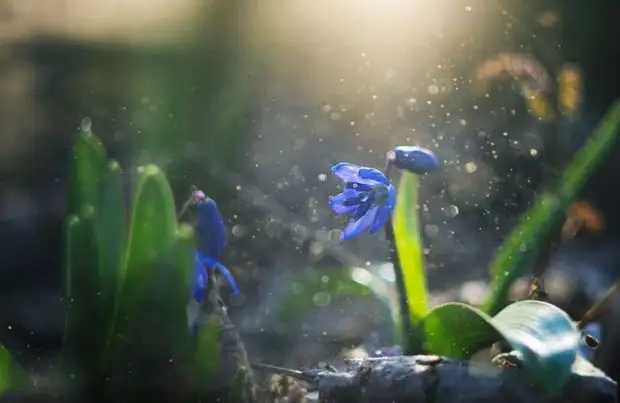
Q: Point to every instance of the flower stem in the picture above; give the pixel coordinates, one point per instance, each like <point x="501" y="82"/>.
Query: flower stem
<point x="403" y="302"/>
<point x="409" y="332"/>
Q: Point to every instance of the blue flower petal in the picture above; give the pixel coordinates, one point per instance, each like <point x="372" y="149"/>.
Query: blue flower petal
<point x="391" y="200"/>
<point x="381" y="218"/>
<point x="362" y="210"/>
<point x="351" y="173"/>
<point x="356" y="227"/>
<point x="344" y="202"/>
<point x="212" y="263"/>
<point x="200" y="280"/>
<point x="210" y="229"/>
<point x="229" y="277"/>
<point x="373" y="174"/>
<point x="416" y="160"/>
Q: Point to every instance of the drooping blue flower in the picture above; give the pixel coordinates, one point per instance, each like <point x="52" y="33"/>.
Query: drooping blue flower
<point x="416" y="160"/>
<point x="210" y="243"/>
<point x="368" y="196"/>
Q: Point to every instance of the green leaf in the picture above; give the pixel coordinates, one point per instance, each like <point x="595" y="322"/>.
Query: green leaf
<point x="204" y="362"/>
<point x="12" y="375"/>
<point x="169" y="295"/>
<point x="111" y="234"/>
<point x="88" y="164"/>
<point x="519" y="250"/>
<point x="457" y="330"/>
<point x="410" y="247"/>
<point x="545" y="335"/>
<point x="152" y="231"/>
<point x="82" y="335"/>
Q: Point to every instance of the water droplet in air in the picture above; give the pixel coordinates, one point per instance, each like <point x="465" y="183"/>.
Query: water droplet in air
<point x="86" y="124"/>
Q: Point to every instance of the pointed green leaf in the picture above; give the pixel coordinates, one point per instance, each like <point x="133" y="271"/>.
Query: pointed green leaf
<point x="152" y="231"/>
<point x="519" y="250"/>
<point x="82" y="336"/>
<point x="88" y="164"/>
<point x="544" y="335"/>
<point x="204" y="362"/>
<point x="111" y="231"/>
<point x="12" y="375"/>
<point x="409" y="246"/>
<point x="169" y="294"/>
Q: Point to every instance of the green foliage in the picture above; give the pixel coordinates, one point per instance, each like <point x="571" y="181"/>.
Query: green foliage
<point x="410" y="250"/>
<point x="128" y="275"/>
<point x="205" y="358"/>
<point x="545" y="335"/>
<point x="12" y="375"/>
<point x="519" y="250"/>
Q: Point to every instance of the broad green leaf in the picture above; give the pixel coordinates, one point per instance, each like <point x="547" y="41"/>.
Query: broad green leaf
<point x="152" y="231"/>
<point x="12" y="375"/>
<point x="547" y="338"/>
<point x="82" y="335"/>
<point x="457" y="330"/>
<point x="410" y="247"/>
<point x="519" y="250"/>
<point x="88" y="164"/>
<point x="111" y="234"/>
<point x="205" y="359"/>
<point x="545" y="335"/>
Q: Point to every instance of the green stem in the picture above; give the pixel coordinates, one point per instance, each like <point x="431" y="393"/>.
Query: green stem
<point x="407" y="328"/>
<point x="409" y="331"/>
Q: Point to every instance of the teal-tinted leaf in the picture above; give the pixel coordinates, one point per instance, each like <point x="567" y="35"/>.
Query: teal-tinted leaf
<point x="82" y="335"/>
<point x="205" y="359"/>
<point x="12" y="375"/>
<point x="544" y="334"/>
<point x="546" y="337"/>
<point x="88" y="164"/>
<point x="519" y="250"/>
<point x="111" y="234"/>
<point x="152" y="231"/>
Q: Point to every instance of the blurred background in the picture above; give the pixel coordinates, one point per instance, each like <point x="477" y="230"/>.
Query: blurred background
<point x="254" y="101"/>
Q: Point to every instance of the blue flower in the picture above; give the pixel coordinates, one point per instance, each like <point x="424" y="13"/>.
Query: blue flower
<point x="368" y="196"/>
<point x="210" y="243"/>
<point x="416" y="160"/>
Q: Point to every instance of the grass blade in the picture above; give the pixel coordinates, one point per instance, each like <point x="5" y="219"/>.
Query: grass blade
<point x="519" y="250"/>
